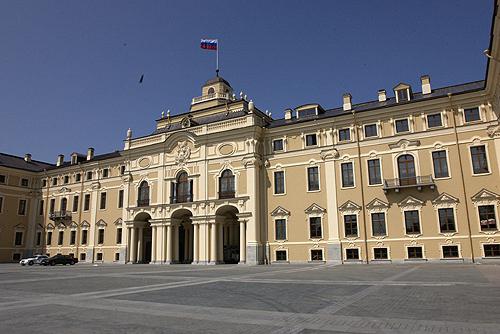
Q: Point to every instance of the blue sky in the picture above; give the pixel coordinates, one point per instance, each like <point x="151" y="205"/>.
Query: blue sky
<point x="70" y="69"/>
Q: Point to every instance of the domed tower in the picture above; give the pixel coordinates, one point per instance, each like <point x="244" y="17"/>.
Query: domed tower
<point x="214" y="92"/>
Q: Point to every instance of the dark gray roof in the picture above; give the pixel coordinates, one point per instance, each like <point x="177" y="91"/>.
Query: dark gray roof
<point x="16" y="162"/>
<point x="373" y="105"/>
<point x="215" y="80"/>
<point x="100" y="157"/>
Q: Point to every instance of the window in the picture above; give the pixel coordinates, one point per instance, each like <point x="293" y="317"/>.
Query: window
<point x="226" y="184"/>
<point x="279" y="182"/>
<point x="351" y="225"/>
<point x="380" y="254"/>
<point x="49" y="238"/>
<point x="182" y="189"/>
<point x="64" y="204"/>
<point x="487" y="218"/>
<point x="307" y="112"/>
<point x="100" y="236"/>
<point x="402" y="125"/>
<point x="402" y="95"/>
<point x="450" y="252"/>
<point x="415" y="252"/>
<point x="76" y="199"/>
<point x="54" y="181"/>
<point x="16" y="257"/>
<point x="352" y="254"/>
<point x="60" y="238"/>
<point x="492" y="250"/>
<point x="311" y="140"/>
<point x="345" y="134"/>
<point x="479" y="160"/>
<point x="446" y="220"/>
<point x="21" y="209"/>
<point x="84" y="236"/>
<point x="24" y="182"/>
<point x="120" y="198"/>
<point x="281" y="255"/>
<point x="316" y="255"/>
<point x="347" y="174"/>
<point x="99" y="256"/>
<point x="44" y="183"/>
<point x="78" y="177"/>
<point x="1" y="204"/>
<point x="371" y="130"/>
<point x="119" y="235"/>
<point x="440" y="163"/>
<point x="280" y="225"/>
<point x="89" y="175"/>
<point x="412" y="222"/>
<point x="102" y="204"/>
<point x="83" y="257"/>
<point x="3" y="179"/>
<point x="66" y="179"/>
<point x="434" y="121"/>
<point x="278" y="145"/>
<point x="105" y="172"/>
<point x="374" y="173"/>
<point x="38" y="238"/>
<point x="18" y="239"/>
<point x="117" y="256"/>
<point x="122" y="170"/>
<point x="312" y="178"/>
<point x="315" y="227"/>
<point x="472" y="114"/>
<point x="72" y="237"/>
<point x="143" y="198"/>
<point x="86" y="202"/>
<point x="378" y="224"/>
<point x="52" y="205"/>
<point x="406" y="170"/>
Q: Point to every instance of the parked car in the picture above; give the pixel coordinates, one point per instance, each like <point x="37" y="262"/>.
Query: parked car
<point x="59" y="259"/>
<point x="35" y="259"/>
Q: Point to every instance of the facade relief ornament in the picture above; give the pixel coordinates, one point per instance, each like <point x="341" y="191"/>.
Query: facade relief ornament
<point x="445" y="200"/>
<point x="493" y="130"/>
<point x="280" y="211"/>
<point x="377" y="205"/>
<point x="411" y="202"/>
<point x="314" y="209"/>
<point x="330" y="154"/>
<point x="349" y="206"/>
<point x="183" y="153"/>
<point x="405" y="143"/>
<point x="485" y="196"/>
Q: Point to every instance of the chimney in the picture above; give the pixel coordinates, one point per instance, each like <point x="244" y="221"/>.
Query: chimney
<point x="90" y="153"/>
<point x="426" y="84"/>
<point x="27" y="157"/>
<point x="347" y="101"/>
<point x="382" y="95"/>
<point x="74" y="158"/>
<point x="60" y="160"/>
<point x="288" y="114"/>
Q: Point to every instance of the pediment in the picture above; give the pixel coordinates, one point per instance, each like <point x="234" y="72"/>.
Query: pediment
<point x="84" y="224"/>
<point x="314" y="208"/>
<point x="349" y="206"/>
<point x="64" y="190"/>
<point x="61" y="226"/>
<point x="445" y="198"/>
<point x="485" y="195"/>
<point x="101" y="223"/>
<point x="404" y="143"/>
<point x="280" y="211"/>
<point x="119" y="221"/>
<point x="411" y="201"/>
<point x="377" y="204"/>
<point x="73" y="225"/>
<point x="19" y="227"/>
<point x="50" y="227"/>
<point x="401" y="85"/>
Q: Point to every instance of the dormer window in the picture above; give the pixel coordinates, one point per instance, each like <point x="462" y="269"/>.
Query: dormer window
<point x="402" y="93"/>
<point x="308" y="110"/>
<point x="74" y="159"/>
<point x="211" y="91"/>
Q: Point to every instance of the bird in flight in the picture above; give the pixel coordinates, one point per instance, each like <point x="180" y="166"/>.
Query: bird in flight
<point x="141" y="79"/>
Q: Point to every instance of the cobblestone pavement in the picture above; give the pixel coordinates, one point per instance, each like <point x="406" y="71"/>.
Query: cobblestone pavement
<point x="323" y="299"/>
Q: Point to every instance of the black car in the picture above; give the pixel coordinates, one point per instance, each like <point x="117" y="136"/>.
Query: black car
<point x="59" y="259"/>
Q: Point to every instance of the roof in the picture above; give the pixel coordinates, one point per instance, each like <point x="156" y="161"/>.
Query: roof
<point x="390" y="102"/>
<point x="100" y="157"/>
<point x="215" y="80"/>
<point x="12" y="161"/>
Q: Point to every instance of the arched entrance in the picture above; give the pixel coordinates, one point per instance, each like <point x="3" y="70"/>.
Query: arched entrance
<point x="140" y="239"/>
<point x="226" y="216"/>
<point x="183" y="236"/>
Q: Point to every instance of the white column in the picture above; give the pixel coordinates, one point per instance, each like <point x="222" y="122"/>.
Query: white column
<point x="133" y="245"/>
<point x="213" y="243"/>
<point x="160" y="244"/>
<point x="220" y="255"/>
<point x="140" y="244"/>
<point x="169" y="244"/>
<point x="153" y="244"/>
<point x="195" y="243"/>
<point x="243" y="244"/>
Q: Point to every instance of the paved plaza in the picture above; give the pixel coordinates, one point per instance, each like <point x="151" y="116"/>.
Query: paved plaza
<point x="325" y="299"/>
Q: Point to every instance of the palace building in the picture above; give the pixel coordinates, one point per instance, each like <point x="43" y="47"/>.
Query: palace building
<point x="410" y="176"/>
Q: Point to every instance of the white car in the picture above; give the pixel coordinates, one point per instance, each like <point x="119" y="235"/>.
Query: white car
<point x="35" y="259"/>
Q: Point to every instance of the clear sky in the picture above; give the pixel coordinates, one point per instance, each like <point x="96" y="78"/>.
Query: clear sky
<point x="69" y="70"/>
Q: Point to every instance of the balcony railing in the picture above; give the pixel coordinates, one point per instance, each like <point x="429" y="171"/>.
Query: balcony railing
<point x="181" y="199"/>
<point x="409" y="182"/>
<point x="208" y="97"/>
<point x="60" y="215"/>
<point x="143" y="202"/>
<point x="226" y="194"/>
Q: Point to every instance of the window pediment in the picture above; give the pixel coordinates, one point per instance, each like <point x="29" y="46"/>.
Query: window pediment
<point x="101" y="223"/>
<point x="411" y="202"/>
<point x="485" y="195"/>
<point x="350" y="206"/>
<point x="314" y="209"/>
<point x="280" y="211"/>
<point x="377" y="205"/>
<point x="84" y="224"/>
<point x="119" y="221"/>
<point x="445" y="199"/>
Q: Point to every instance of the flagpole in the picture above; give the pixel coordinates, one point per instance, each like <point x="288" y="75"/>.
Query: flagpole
<point x="217" y="59"/>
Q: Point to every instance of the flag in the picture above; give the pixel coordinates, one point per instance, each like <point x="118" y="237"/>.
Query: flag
<point x="209" y="44"/>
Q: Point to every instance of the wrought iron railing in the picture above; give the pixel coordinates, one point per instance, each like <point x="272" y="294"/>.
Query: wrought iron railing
<point x="60" y="215"/>
<point x="409" y="182"/>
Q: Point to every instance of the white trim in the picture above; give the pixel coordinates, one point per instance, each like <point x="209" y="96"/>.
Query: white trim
<point x="416" y="245"/>
<point x="445" y="149"/>
<point x="345" y="236"/>
<point x="25" y="206"/>
<point x="317" y="248"/>
<point x="345" y="254"/>
<point x="385" y="223"/>
<point x="454" y="208"/>
<point x="2" y="204"/>
<point x="376" y="127"/>
<point x="281" y="250"/>
<point x="459" y="251"/>
<point x="338" y="135"/>
<point x="412" y="235"/>
<point x="305" y="140"/>
<point x="285" y="218"/>
<point x="382" y="246"/>
<point x="308" y="230"/>
<point x="380" y="169"/>
<point x="284" y="182"/>
<point x="395" y="131"/>
<point x="483" y="252"/>
<point x="353" y="175"/>
<point x="315" y="165"/>
<point x="478" y="143"/>
<point x="434" y="127"/>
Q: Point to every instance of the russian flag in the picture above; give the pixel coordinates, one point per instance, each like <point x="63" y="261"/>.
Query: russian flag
<point x="209" y="44"/>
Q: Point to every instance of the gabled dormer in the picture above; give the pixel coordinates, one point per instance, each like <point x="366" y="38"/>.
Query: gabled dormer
<point x="402" y="92"/>
<point x="308" y="110"/>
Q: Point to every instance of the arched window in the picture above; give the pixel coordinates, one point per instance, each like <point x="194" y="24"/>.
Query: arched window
<point x="64" y="204"/>
<point x="406" y="169"/>
<point x="226" y="184"/>
<point x="211" y="91"/>
<point x="143" y="195"/>
<point x="182" y="189"/>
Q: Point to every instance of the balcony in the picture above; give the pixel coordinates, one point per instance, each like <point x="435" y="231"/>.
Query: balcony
<point x="226" y="194"/>
<point x="60" y="215"/>
<point x="418" y="182"/>
<point x="143" y="202"/>
<point x="181" y="198"/>
<point x="208" y="97"/>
